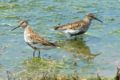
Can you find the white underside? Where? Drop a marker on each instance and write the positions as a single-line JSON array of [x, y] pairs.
[[70, 31]]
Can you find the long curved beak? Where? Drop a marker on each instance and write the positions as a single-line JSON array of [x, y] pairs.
[[98, 19], [15, 28]]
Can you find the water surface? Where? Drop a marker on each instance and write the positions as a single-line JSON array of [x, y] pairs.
[[96, 52]]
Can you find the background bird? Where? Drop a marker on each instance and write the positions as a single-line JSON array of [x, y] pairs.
[[77, 27]]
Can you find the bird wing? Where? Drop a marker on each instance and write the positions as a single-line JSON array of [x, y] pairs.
[[74, 25], [38, 39]]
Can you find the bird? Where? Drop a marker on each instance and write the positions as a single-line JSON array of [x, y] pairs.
[[33, 39], [77, 27]]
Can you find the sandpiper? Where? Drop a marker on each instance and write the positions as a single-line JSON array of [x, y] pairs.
[[77, 27], [33, 39]]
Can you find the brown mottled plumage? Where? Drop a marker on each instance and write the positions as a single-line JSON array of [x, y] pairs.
[[78, 27], [73, 25], [33, 39], [36, 38]]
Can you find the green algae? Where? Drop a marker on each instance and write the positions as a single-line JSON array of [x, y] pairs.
[[50, 8], [116, 32], [8, 5], [41, 64]]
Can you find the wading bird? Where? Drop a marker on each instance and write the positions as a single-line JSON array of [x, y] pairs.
[[34, 40], [78, 27]]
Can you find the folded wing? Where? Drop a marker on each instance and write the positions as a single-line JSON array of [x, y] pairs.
[[74, 25], [40, 40]]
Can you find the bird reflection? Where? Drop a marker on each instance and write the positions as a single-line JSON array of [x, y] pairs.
[[78, 48]]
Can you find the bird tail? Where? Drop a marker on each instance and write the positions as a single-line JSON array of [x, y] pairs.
[[55, 44], [56, 28]]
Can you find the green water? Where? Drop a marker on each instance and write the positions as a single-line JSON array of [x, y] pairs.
[[96, 52]]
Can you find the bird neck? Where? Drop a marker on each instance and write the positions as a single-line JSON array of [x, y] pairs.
[[87, 20], [28, 29]]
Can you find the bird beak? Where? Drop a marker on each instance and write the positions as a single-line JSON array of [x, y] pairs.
[[98, 19], [15, 28]]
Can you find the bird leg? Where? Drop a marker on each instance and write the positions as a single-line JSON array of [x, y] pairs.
[[75, 37], [39, 54], [68, 35], [34, 53]]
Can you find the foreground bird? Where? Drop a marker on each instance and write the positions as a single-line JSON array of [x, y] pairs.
[[78, 27], [34, 40]]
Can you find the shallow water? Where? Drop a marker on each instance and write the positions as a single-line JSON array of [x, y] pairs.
[[96, 52]]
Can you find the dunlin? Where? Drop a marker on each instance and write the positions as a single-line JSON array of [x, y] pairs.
[[33, 39], [77, 27]]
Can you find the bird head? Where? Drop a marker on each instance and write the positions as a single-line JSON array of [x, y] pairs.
[[92, 16], [22, 24]]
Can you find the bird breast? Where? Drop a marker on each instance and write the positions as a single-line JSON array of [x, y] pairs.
[[26, 36]]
